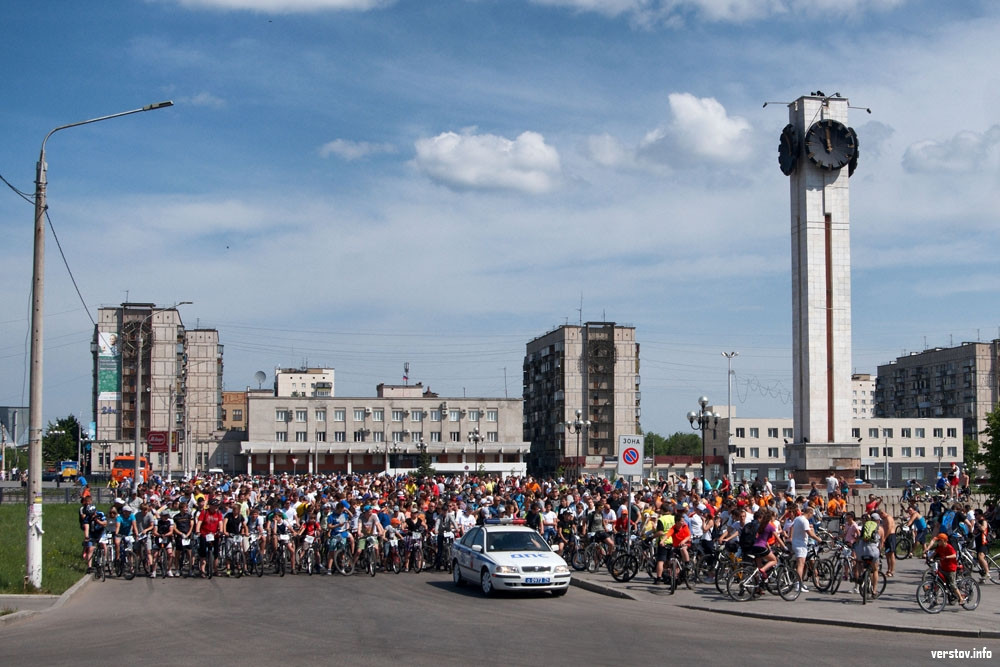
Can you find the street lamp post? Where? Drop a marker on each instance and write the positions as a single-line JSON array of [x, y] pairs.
[[474, 439], [33, 551], [730, 447], [138, 390], [700, 421], [577, 426]]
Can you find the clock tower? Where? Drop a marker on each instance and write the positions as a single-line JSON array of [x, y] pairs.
[[819, 152]]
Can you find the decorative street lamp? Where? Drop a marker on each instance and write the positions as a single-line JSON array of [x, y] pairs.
[[700, 421], [474, 439], [33, 551], [577, 426]]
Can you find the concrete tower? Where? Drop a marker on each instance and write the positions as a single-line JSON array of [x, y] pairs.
[[819, 152]]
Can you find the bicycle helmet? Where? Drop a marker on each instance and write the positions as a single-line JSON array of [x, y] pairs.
[[90, 509]]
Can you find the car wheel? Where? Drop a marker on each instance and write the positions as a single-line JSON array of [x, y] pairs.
[[486, 583], [456, 575], [559, 592]]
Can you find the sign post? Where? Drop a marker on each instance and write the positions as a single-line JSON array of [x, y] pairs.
[[630, 462]]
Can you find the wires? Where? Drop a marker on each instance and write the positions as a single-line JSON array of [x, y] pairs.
[[23, 195], [69, 270]]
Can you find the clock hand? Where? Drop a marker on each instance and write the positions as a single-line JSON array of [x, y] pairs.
[[829, 146]]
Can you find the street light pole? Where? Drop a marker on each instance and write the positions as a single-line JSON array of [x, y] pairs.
[[475, 438], [577, 426], [729, 414], [33, 550], [700, 421]]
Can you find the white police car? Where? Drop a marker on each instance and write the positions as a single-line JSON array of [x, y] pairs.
[[506, 557]]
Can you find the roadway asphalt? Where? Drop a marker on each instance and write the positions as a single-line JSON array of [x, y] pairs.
[[424, 620]]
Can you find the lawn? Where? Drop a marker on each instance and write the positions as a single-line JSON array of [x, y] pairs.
[[61, 548]]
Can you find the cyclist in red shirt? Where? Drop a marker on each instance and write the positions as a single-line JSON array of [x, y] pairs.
[[948, 558], [208, 526]]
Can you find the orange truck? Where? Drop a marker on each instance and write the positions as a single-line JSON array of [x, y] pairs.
[[124, 467]]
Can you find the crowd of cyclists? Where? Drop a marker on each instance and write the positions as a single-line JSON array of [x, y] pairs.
[[679, 530]]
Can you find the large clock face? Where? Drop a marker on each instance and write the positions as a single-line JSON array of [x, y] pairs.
[[788, 150], [831, 144]]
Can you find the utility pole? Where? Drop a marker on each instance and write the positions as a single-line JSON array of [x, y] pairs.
[[729, 414]]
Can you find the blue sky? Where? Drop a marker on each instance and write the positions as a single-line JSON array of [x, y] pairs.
[[363, 183]]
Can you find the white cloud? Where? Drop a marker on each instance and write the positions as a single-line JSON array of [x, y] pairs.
[[965, 152], [486, 161], [204, 99], [287, 6], [700, 128], [608, 151], [645, 12], [354, 150]]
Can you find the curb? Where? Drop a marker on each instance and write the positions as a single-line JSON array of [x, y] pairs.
[[600, 589], [63, 599]]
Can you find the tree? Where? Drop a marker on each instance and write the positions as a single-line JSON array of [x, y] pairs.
[[424, 469], [678, 444], [971, 454], [60, 440], [989, 457]]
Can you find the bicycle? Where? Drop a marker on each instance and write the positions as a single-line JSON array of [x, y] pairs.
[[393, 560], [970, 562], [97, 560], [866, 583], [280, 556], [126, 562], [933, 592], [677, 571], [186, 564], [307, 556], [749, 581], [414, 549], [161, 557], [231, 555], [255, 557], [369, 556]]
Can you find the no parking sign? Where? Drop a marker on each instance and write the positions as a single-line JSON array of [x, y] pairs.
[[630, 455]]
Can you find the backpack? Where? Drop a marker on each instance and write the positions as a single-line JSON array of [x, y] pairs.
[[948, 522], [748, 534], [869, 532]]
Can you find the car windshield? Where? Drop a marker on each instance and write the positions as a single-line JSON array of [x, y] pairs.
[[515, 541]]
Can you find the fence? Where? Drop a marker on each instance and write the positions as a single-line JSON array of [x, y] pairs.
[[65, 495]]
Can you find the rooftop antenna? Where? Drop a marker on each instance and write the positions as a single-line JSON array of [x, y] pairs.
[[580, 309], [406, 373]]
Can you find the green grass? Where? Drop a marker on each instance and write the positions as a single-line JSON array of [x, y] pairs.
[[61, 548]]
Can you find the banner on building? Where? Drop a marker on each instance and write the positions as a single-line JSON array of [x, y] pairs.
[[108, 367]]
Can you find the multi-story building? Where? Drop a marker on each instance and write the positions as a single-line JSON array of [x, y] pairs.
[[862, 396], [384, 433], [181, 392], [234, 410], [594, 368], [942, 382], [303, 382], [910, 448]]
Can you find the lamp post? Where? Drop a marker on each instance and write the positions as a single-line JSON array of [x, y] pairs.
[[700, 421], [138, 389], [33, 551], [730, 447], [577, 426], [474, 439]]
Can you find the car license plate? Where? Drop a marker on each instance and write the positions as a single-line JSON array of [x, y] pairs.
[[537, 580]]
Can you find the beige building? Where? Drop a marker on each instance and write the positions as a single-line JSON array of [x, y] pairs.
[[957, 381], [862, 396], [181, 393], [312, 382], [908, 448], [593, 368], [383, 433]]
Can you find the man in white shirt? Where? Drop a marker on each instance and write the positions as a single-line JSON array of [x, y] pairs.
[[832, 484], [802, 530], [790, 487]]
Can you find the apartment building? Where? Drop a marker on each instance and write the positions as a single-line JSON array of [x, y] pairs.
[[180, 396], [956, 381], [594, 368], [387, 432], [303, 382], [862, 395]]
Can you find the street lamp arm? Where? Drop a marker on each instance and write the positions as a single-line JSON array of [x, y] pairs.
[[148, 107]]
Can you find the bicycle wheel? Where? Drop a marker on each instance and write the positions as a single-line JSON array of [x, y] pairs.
[[836, 577], [722, 573], [594, 557], [675, 571], [904, 547], [994, 573], [128, 565], [624, 567], [822, 575], [787, 582], [209, 563], [118, 563], [579, 560], [931, 596], [968, 587], [396, 563], [865, 586], [370, 565], [742, 584], [418, 561], [97, 564], [705, 572], [882, 581]]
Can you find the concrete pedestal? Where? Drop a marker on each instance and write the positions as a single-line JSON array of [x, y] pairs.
[[813, 463]]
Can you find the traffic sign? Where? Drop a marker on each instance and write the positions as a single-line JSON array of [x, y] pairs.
[[630, 455], [157, 441]]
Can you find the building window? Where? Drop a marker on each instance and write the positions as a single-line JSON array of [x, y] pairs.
[[454, 415], [921, 451], [473, 415], [301, 415], [340, 415], [237, 415], [786, 433], [282, 436], [417, 416], [321, 415], [938, 433], [873, 433], [906, 433], [953, 433], [491, 415], [740, 433], [359, 414], [938, 451], [320, 436], [398, 436], [281, 415], [359, 436], [300, 436], [754, 432], [378, 436], [872, 452], [741, 452], [887, 452], [435, 415], [953, 451], [919, 432], [887, 433], [754, 454], [397, 415], [339, 436], [913, 473], [772, 432], [435, 436], [456, 436], [855, 432], [772, 452], [906, 452], [378, 415], [492, 436]]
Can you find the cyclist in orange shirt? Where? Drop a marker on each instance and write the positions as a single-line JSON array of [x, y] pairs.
[[680, 537]]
